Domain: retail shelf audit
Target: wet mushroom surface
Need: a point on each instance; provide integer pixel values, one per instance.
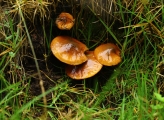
(65, 21)
(108, 54)
(86, 69)
(68, 50)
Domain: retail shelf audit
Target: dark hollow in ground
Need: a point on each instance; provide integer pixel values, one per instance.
(52, 67)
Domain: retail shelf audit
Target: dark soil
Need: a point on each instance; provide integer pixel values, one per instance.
(51, 67)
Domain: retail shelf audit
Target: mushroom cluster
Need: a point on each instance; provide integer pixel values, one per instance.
(81, 63)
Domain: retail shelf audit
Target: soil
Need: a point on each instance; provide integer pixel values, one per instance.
(50, 67)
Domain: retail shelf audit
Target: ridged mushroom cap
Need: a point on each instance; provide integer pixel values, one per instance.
(65, 21)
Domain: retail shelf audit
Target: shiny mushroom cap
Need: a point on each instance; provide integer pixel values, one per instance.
(108, 54)
(86, 69)
(65, 21)
(68, 50)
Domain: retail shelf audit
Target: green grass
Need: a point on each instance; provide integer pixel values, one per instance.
(130, 91)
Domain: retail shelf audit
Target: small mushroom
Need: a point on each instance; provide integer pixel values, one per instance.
(65, 21)
(86, 69)
(108, 54)
(68, 50)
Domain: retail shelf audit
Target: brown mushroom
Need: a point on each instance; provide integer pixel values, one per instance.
(68, 50)
(86, 69)
(65, 21)
(108, 54)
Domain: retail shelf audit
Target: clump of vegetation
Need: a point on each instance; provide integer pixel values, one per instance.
(33, 83)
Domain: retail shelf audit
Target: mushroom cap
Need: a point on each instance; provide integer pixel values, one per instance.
(108, 54)
(65, 21)
(86, 69)
(68, 50)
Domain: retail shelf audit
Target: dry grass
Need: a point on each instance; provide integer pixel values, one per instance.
(31, 8)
